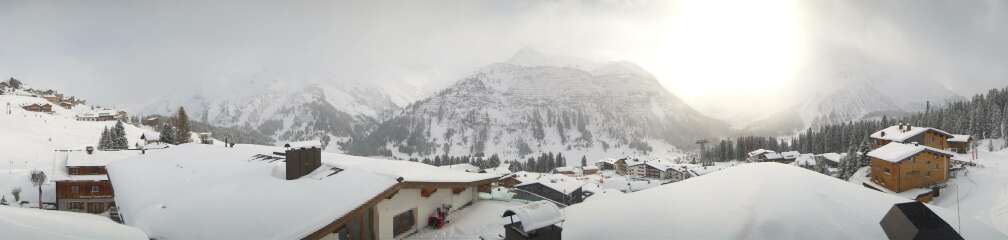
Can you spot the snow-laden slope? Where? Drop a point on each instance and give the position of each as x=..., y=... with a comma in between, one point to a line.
x=614, y=109
x=854, y=100
x=288, y=111
x=29, y=138
x=27, y=141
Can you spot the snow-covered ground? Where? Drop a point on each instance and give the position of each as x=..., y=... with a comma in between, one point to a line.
x=750, y=201
x=27, y=141
x=27, y=223
x=982, y=192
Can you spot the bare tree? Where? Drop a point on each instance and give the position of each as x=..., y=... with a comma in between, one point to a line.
x=38, y=178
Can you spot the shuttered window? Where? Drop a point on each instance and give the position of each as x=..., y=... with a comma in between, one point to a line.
x=403, y=222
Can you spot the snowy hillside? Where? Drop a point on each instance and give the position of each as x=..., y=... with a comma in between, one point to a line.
x=855, y=100
x=29, y=138
x=613, y=109
x=287, y=111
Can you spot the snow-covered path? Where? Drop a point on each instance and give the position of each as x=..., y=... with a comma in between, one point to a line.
x=982, y=192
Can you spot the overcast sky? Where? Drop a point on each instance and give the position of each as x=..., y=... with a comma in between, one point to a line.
x=707, y=51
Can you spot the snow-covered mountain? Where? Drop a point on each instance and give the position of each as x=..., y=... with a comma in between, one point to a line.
x=855, y=100
x=533, y=104
x=287, y=111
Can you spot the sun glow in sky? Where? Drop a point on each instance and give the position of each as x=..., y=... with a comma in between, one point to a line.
x=727, y=48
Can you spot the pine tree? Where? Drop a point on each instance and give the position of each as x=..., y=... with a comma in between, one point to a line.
x=182, y=127
x=103, y=141
x=167, y=134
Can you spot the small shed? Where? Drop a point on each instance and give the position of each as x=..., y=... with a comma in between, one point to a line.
x=915, y=221
x=536, y=221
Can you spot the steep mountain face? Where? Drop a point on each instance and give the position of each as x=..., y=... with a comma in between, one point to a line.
x=855, y=101
x=291, y=112
x=613, y=109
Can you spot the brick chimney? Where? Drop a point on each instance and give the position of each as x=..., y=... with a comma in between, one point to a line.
x=302, y=161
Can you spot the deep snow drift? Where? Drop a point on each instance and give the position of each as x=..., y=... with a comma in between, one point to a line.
x=750, y=201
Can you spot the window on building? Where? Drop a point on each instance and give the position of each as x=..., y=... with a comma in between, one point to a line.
x=75, y=189
x=886, y=171
x=95, y=189
x=74, y=171
x=403, y=222
x=76, y=206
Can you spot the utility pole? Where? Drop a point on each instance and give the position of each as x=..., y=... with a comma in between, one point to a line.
x=703, y=143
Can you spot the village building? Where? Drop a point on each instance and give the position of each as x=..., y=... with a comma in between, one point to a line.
x=900, y=167
x=608, y=164
x=85, y=186
x=960, y=143
x=35, y=107
x=763, y=155
x=589, y=170
x=829, y=160
x=103, y=115
x=790, y=156
x=569, y=171
x=556, y=188
x=329, y=195
x=536, y=221
x=905, y=133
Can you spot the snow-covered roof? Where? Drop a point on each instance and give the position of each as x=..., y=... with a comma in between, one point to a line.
x=558, y=182
x=31, y=223
x=773, y=156
x=221, y=185
x=807, y=159
x=564, y=169
x=501, y=170
x=80, y=158
x=536, y=215
x=409, y=171
x=759, y=151
x=777, y=202
x=893, y=133
x=306, y=144
x=896, y=152
x=790, y=154
x=590, y=168
x=960, y=138
x=833, y=157
x=464, y=167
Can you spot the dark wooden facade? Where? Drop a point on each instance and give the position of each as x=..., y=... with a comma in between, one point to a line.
x=923, y=169
x=84, y=195
x=541, y=190
x=35, y=107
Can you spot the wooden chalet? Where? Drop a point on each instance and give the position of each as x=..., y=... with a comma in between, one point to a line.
x=590, y=170
x=905, y=133
x=900, y=167
x=557, y=188
x=35, y=107
x=85, y=187
x=960, y=143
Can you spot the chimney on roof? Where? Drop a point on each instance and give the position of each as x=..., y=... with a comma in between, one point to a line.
x=914, y=220
x=89, y=149
x=302, y=161
x=883, y=133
